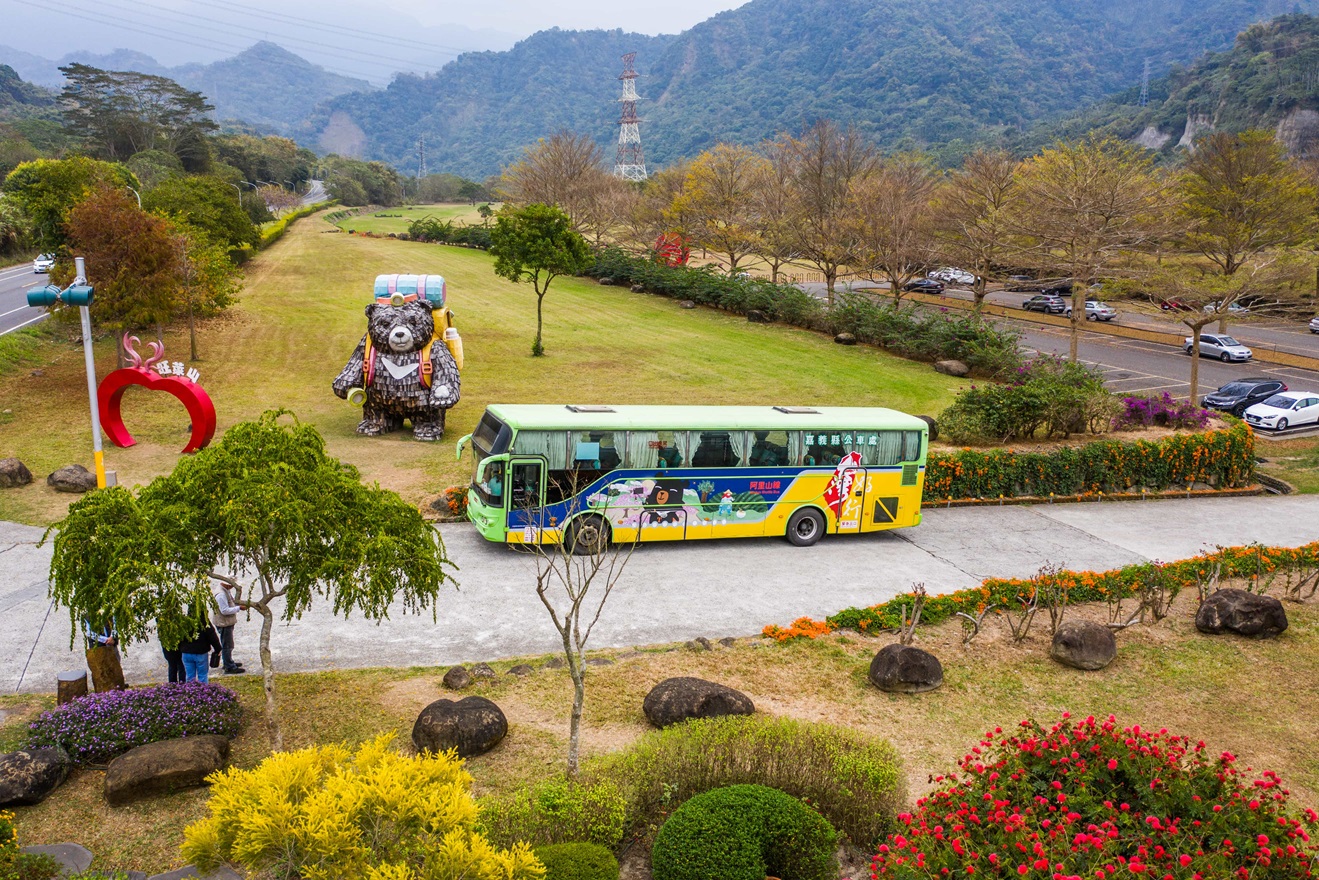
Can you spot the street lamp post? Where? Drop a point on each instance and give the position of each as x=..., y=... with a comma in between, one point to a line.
x=136, y=193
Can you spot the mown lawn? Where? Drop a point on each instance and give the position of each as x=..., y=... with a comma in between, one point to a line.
x=301, y=314
x=1253, y=698
x=397, y=220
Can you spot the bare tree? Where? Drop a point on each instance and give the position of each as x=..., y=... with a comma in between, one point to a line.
x=574, y=579
x=828, y=163
x=566, y=170
x=718, y=197
x=973, y=210
x=772, y=210
x=656, y=210
x=1084, y=204
x=894, y=220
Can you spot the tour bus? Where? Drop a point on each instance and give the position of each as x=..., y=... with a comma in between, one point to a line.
x=588, y=475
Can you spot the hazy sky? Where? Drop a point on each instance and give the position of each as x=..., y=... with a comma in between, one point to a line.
x=369, y=39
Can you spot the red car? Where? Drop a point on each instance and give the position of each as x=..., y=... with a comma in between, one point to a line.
x=1169, y=305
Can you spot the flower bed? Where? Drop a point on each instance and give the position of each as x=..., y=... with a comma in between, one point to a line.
x=97, y=727
x=1251, y=561
x=1095, y=800
x=1223, y=458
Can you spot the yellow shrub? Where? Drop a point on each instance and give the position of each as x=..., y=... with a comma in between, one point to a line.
x=326, y=814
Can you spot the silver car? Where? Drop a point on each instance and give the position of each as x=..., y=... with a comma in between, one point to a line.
x=1096, y=311
x=1223, y=347
x=1314, y=324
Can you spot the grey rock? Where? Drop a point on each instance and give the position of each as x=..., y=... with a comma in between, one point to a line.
x=163, y=767
x=756, y=316
x=701, y=643
x=483, y=670
x=903, y=669
x=1242, y=613
x=606, y=281
x=951, y=368
x=599, y=661
x=845, y=339
x=1083, y=645
x=472, y=725
x=686, y=304
x=933, y=426
x=188, y=872
x=457, y=678
x=13, y=473
x=638, y=288
x=679, y=699
x=728, y=641
x=29, y=775
x=555, y=663
x=72, y=858
x=630, y=655
x=521, y=670
x=135, y=875
x=37, y=374
x=72, y=478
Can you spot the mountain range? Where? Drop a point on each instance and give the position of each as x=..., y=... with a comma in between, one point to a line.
x=265, y=87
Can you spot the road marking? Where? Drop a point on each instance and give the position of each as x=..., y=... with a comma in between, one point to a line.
x=24, y=324
x=12, y=311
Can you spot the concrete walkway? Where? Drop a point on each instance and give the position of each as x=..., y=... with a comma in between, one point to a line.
x=678, y=591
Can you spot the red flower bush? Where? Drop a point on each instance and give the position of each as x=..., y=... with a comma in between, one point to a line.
x=1089, y=799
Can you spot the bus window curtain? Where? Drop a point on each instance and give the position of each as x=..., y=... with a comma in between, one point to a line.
x=641, y=449
x=889, y=449
x=738, y=444
x=551, y=444
x=794, y=447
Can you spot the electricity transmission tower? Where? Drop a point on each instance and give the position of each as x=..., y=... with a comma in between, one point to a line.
x=630, y=164
x=1145, y=85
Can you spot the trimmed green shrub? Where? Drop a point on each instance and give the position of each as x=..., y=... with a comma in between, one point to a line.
x=1047, y=397
x=744, y=832
x=577, y=861
x=852, y=779
x=557, y=811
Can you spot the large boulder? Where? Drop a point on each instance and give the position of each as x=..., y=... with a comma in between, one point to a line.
x=13, y=473
x=472, y=725
x=72, y=478
x=902, y=669
x=1243, y=613
x=457, y=678
x=845, y=339
x=1083, y=645
x=678, y=699
x=164, y=766
x=951, y=368
x=27, y=776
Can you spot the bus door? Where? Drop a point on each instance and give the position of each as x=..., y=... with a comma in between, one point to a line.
x=852, y=499
x=525, y=495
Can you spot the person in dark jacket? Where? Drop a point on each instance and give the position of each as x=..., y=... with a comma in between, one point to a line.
x=197, y=652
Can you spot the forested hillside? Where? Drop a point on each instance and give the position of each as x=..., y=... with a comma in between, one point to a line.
x=928, y=73
x=19, y=99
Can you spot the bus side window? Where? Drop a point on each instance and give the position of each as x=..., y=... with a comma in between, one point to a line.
x=656, y=450
x=768, y=449
x=718, y=449
x=823, y=448
x=525, y=486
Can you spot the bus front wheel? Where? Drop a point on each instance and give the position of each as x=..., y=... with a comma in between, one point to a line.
x=805, y=527
x=587, y=536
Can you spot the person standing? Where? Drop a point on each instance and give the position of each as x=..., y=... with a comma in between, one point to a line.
x=174, y=659
x=197, y=652
x=225, y=616
x=103, y=655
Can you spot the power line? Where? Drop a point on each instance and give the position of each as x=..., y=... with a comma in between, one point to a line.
x=338, y=30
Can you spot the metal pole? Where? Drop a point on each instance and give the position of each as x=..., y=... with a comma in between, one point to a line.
x=97, y=454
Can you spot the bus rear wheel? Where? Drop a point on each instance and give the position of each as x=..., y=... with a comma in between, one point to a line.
x=587, y=536
x=805, y=527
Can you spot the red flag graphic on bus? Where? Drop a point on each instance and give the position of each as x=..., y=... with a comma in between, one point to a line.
x=840, y=485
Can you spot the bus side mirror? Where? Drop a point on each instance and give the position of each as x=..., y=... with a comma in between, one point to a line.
x=458, y=450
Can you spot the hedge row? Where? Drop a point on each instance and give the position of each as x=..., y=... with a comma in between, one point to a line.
x=1223, y=458
x=1252, y=561
x=903, y=331
x=273, y=232
x=431, y=229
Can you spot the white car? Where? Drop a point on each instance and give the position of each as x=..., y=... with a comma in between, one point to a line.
x=1225, y=348
x=1285, y=410
x=42, y=263
x=952, y=275
x=1314, y=324
x=1232, y=309
x=1096, y=311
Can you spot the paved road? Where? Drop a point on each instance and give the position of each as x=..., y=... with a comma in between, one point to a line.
x=15, y=282
x=677, y=592
x=315, y=193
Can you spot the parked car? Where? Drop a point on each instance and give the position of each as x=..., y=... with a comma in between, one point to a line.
x=952, y=275
x=1239, y=395
x=1062, y=288
x=43, y=262
x=1314, y=324
x=1096, y=311
x=1225, y=348
x=1045, y=303
x=1233, y=308
x=924, y=285
x=1169, y=305
x=1286, y=410
x=1021, y=284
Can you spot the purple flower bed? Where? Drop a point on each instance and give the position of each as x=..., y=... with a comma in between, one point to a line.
x=97, y=727
x=1163, y=411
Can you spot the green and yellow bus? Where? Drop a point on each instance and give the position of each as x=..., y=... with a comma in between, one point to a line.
x=587, y=475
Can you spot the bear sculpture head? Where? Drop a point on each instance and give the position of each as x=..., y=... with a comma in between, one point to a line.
x=400, y=329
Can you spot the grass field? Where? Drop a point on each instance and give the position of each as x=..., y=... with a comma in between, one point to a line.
x=301, y=314
x=1166, y=675
x=398, y=219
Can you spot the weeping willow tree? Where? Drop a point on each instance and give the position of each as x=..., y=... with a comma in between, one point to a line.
x=265, y=510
